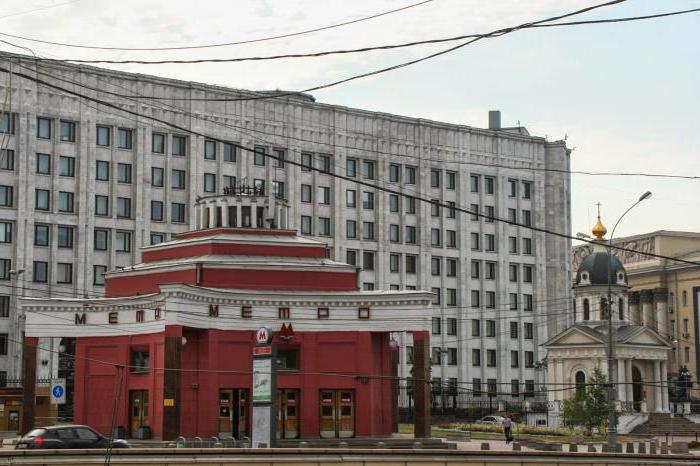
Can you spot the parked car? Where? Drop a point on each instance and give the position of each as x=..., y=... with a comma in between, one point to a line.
x=493, y=419
x=66, y=437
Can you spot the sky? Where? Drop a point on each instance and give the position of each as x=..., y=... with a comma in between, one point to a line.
x=625, y=96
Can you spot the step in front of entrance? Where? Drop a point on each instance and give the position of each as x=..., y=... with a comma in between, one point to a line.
x=391, y=443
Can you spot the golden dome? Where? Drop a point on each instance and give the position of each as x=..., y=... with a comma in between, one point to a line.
x=599, y=229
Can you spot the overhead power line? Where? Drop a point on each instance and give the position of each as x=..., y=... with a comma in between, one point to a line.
x=245, y=130
x=496, y=33
x=223, y=44
x=343, y=177
x=20, y=13
x=357, y=50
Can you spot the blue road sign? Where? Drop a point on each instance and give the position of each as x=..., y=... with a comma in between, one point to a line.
x=58, y=391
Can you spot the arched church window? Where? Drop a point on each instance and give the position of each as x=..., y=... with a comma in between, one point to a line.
x=621, y=309
x=586, y=310
x=580, y=383
x=603, y=309
x=584, y=276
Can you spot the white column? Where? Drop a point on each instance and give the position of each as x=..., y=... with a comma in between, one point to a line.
x=551, y=380
x=656, y=385
x=621, y=387
x=200, y=216
x=664, y=387
x=224, y=213
x=633, y=308
x=561, y=394
x=661, y=304
x=629, y=388
x=648, y=314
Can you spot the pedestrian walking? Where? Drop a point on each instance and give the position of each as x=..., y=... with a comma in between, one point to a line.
x=507, y=426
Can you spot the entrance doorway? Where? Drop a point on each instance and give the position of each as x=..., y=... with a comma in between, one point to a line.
x=637, y=389
x=287, y=413
x=337, y=413
x=13, y=421
x=138, y=411
x=233, y=411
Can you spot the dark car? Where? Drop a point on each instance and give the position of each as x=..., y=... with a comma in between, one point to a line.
x=66, y=437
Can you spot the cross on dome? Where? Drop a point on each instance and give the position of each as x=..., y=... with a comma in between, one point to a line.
x=599, y=229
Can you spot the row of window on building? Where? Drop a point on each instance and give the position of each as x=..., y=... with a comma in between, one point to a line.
x=367, y=231
x=65, y=235
x=491, y=359
x=493, y=388
x=62, y=273
x=65, y=203
x=451, y=328
x=103, y=172
x=106, y=136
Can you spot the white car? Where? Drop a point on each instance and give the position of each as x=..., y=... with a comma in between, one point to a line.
x=493, y=419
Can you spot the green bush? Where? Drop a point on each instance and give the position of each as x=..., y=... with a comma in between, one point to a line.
x=518, y=428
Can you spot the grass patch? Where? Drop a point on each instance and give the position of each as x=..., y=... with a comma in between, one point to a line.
x=495, y=432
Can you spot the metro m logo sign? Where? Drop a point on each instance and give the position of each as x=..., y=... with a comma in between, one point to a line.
x=80, y=319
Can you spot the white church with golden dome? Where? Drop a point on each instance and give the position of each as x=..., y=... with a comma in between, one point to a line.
x=641, y=352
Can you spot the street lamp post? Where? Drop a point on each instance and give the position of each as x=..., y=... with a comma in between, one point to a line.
x=612, y=390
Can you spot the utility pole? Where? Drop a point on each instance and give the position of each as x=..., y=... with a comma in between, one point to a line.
x=16, y=323
x=612, y=375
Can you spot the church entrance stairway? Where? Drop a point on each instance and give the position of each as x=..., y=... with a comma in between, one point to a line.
x=662, y=424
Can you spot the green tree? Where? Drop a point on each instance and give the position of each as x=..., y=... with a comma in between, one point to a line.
x=588, y=407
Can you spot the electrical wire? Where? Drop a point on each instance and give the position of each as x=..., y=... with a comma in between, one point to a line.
x=48, y=7
x=345, y=51
x=224, y=44
x=245, y=130
x=495, y=33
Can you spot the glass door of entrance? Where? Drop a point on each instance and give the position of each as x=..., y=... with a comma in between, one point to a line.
x=233, y=412
x=287, y=413
x=337, y=413
x=138, y=410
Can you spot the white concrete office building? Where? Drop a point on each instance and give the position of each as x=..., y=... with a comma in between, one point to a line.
x=83, y=186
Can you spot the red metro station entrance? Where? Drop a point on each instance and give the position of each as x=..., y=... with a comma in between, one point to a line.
x=176, y=333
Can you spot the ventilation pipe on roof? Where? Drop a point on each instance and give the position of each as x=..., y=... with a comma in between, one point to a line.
x=494, y=119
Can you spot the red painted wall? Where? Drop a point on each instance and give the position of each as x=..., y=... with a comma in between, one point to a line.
x=235, y=231
x=297, y=280
x=194, y=250
x=97, y=379
x=214, y=359
x=248, y=279
x=131, y=285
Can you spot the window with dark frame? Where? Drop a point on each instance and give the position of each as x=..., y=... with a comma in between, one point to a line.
x=288, y=358
x=140, y=361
